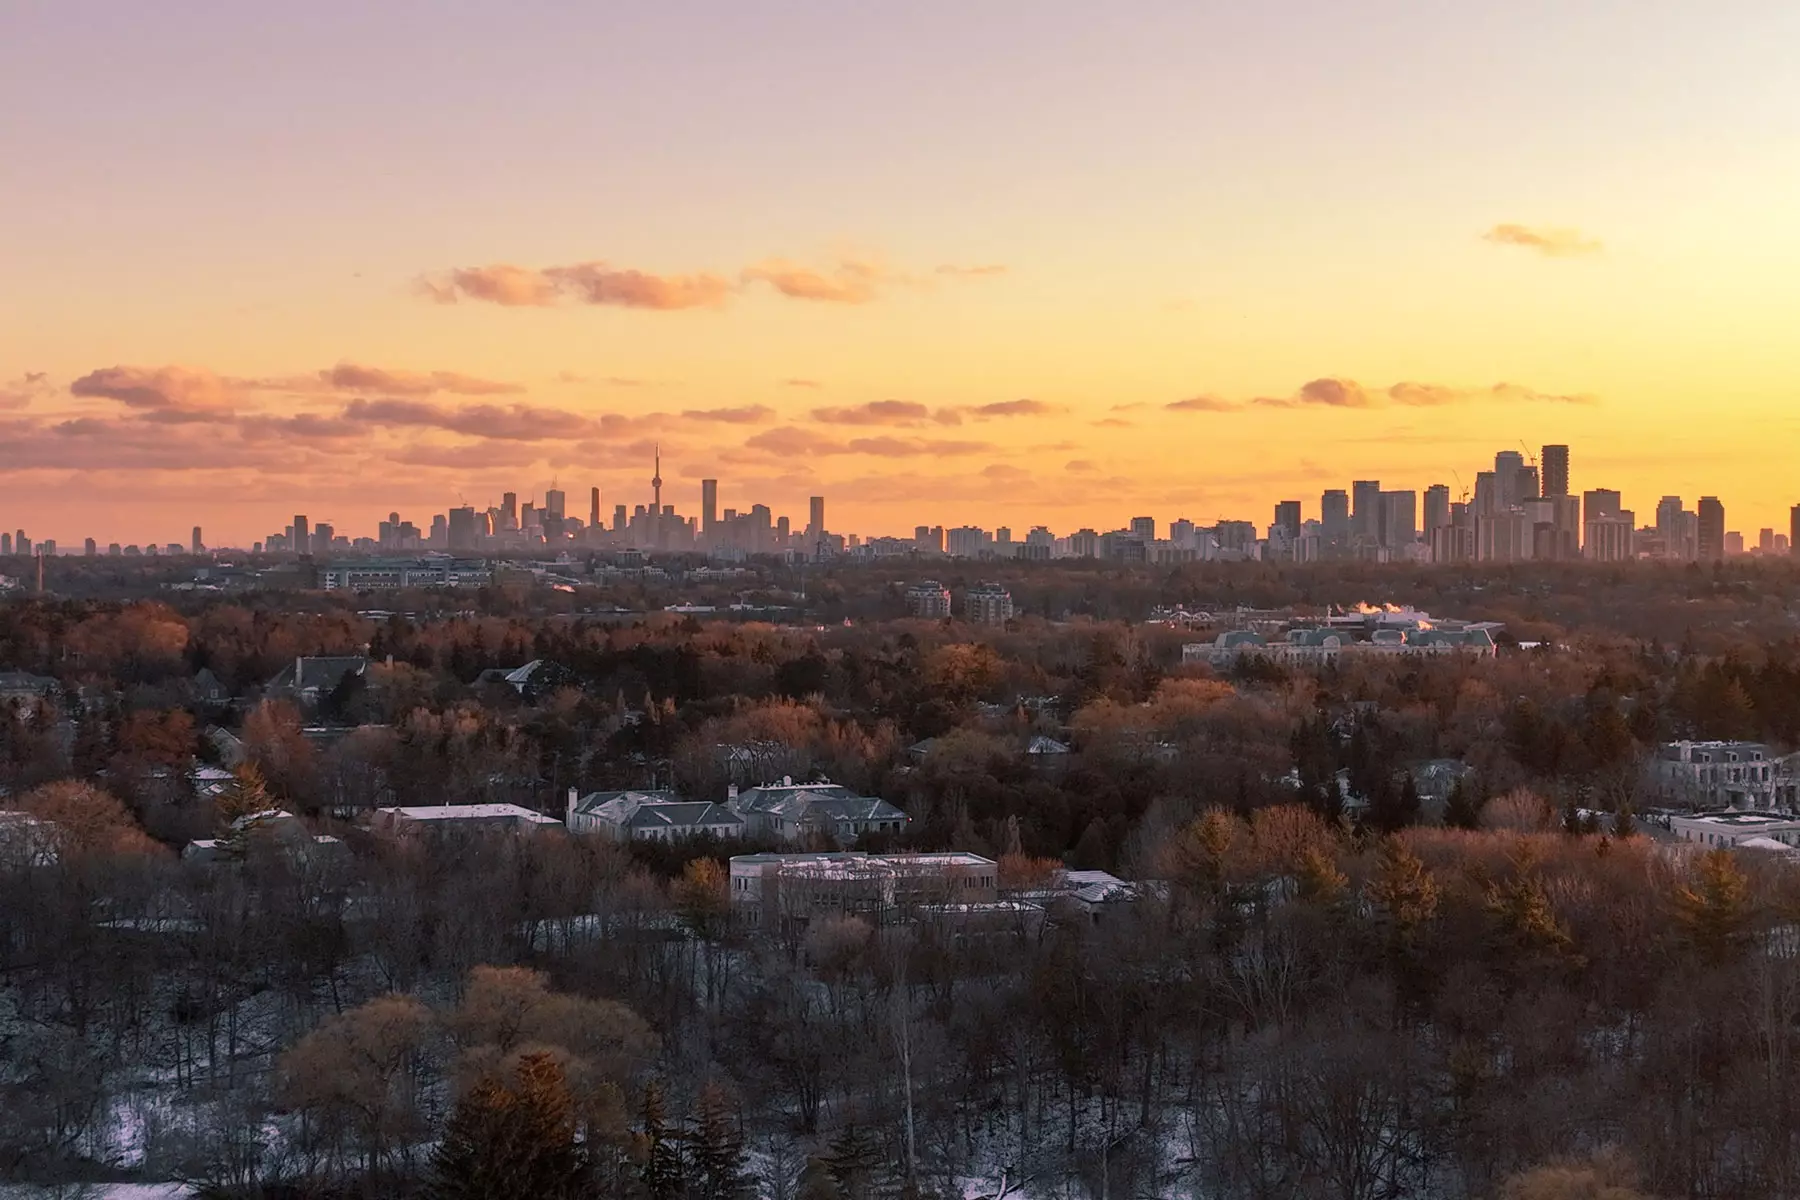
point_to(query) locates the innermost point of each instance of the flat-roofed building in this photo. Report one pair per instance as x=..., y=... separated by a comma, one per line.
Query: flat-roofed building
x=774, y=889
x=1729, y=829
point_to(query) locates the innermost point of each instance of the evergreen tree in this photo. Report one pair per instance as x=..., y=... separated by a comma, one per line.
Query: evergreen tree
x=1715, y=909
x=856, y=1164
x=662, y=1169
x=1462, y=810
x=1624, y=822
x=1392, y=808
x=512, y=1139
x=716, y=1149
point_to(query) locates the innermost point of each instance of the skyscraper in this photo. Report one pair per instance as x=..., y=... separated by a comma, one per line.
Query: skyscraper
x=1399, y=520
x=1556, y=470
x=461, y=531
x=1144, y=527
x=1437, y=507
x=593, y=508
x=1365, y=511
x=709, y=507
x=815, y=524
x=555, y=509
x=1287, y=519
x=1794, y=530
x=1712, y=529
x=302, y=535
x=1668, y=520
x=1508, y=465
x=1334, y=515
x=509, y=510
x=199, y=546
x=1599, y=503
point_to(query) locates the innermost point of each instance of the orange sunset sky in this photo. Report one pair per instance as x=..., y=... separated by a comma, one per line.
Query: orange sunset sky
x=949, y=263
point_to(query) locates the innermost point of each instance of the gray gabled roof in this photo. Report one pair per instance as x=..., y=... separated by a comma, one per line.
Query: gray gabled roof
x=593, y=802
x=322, y=673
x=769, y=795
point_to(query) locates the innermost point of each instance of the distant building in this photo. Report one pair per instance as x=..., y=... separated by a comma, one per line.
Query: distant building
x=1739, y=775
x=798, y=812
x=1736, y=829
x=276, y=829
x=929, y=599
x=461, y=818
x=1555, y=461
x=773, y=889
x=1711, y=515
x=307, y=680
x=25, y=690
x=988, y=604
x=662, y=816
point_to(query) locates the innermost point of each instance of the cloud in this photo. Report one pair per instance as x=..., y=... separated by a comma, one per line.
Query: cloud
x=1006, y=473
x=1113, y=423
x=1081, y=466
x=802, y=383
x=846, y=281
x=893, y=447
x=1550, y=242
x=1015, y=408
x=20, y=392
x=1202, y=404
x=304, y=426
x=353, y=377
x=512, y=422
x=1348, y=394
x=875, y=412
x=748, y=414
x=161, y=393
x=789, y=440
x=591, y=283
x=850, y=282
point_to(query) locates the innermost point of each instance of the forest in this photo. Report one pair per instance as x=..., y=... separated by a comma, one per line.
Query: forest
x=1330, y=983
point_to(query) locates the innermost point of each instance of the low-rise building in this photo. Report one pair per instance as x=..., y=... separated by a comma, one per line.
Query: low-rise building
x=459, y=818
x=799, y=812
x=786, y=888
x=661, y=816
x=1722, y=774
x=308, y=680
x=1735, y=828
x=25, y=690
x=275, y=828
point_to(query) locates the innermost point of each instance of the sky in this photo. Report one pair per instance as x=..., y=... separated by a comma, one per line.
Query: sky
x=1043, y=262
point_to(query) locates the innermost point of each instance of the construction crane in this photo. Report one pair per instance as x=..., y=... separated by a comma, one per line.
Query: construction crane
x=1530, y=456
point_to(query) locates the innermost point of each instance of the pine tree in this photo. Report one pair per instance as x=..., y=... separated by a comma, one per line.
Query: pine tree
x=661, y=1166
x=717, y=1149
x=1462, y=810
x=1715, y=909
x=1624, y=822
x=516, y=1139
x=239, y=804
x=855, y=1163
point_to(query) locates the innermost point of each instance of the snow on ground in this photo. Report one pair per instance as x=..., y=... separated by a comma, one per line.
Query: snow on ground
x=94, y=1191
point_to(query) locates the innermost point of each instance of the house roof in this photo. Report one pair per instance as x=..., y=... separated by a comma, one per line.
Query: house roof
x=25, y=681
x=694, y=814
x=1045, y=745
x=468, y=812
x=324, y=674
x=594, y=802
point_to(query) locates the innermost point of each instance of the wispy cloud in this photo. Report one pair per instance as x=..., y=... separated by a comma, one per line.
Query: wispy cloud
x=851, y=281
x=848, y=280
x=593, y=283
x=354, y=377
x=876, y=412
x=790, y=440
x=1202, y=404
x=1347, y=393
x=1548, y=241
x=1014, y=408
x=802, y=383
x=747, y=414
x=160, y=393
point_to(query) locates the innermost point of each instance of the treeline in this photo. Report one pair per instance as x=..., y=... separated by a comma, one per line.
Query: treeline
x=1295, y=1011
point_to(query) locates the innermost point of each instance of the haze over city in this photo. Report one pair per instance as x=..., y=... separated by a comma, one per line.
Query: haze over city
x=997, y=266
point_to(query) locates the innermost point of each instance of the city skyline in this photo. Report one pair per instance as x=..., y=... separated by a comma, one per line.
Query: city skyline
x=1011, y=263
x=1528, y=506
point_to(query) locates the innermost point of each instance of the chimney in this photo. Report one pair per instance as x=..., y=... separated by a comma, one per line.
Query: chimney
x=574, y=799
x=299, y=671
x=731, y=793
